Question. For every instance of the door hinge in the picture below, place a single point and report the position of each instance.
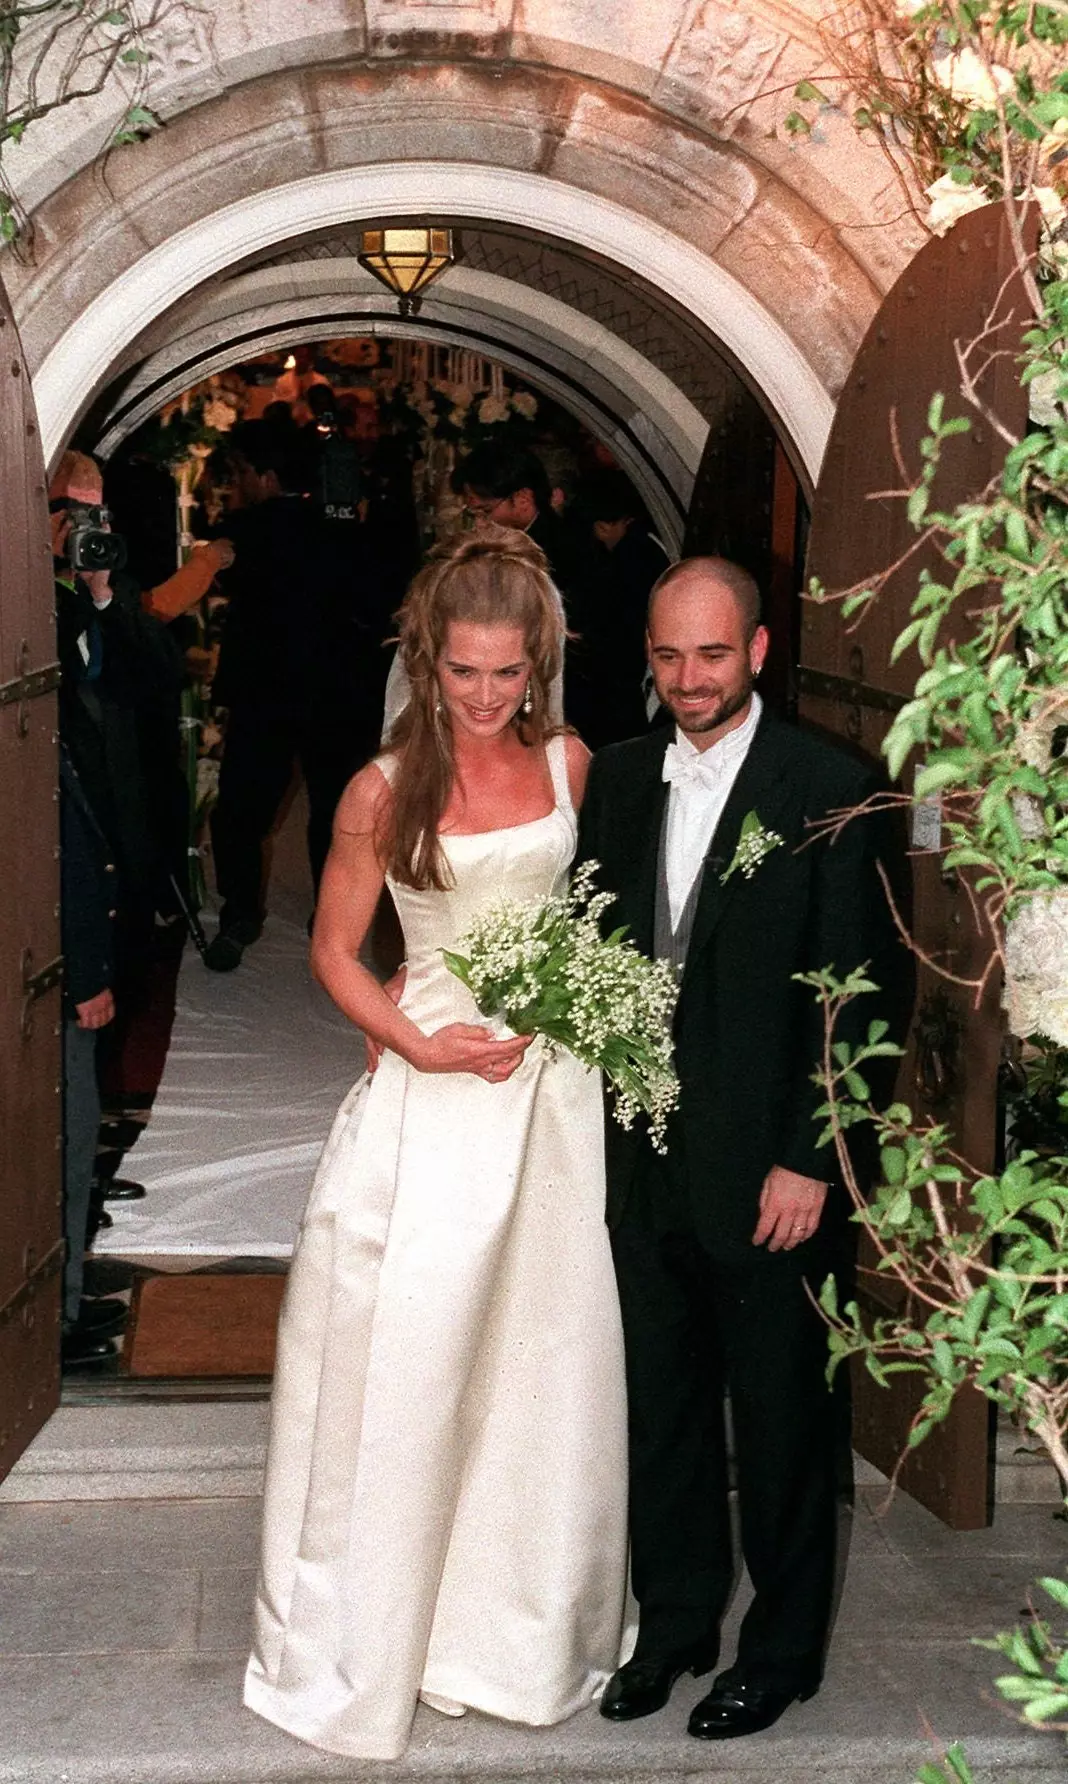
(22, 1303)
(37, 984)
(846, 692)
(29, 684)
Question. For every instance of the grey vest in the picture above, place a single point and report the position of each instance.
(672, 944)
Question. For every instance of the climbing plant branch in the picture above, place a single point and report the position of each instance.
(54, 52)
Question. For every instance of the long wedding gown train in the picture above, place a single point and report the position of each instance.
(446, 1484)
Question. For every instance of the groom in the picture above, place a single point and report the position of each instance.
(714, 1243)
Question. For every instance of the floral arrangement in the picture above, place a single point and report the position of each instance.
(459, 416)
(547, 970)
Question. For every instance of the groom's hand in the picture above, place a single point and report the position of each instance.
(790, 1209)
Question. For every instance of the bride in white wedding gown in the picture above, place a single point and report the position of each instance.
(445, 1509)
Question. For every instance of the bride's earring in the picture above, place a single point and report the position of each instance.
(528, 702)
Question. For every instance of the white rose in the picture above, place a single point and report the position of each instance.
(950, 202)
(1042, 402)
(1036, 968)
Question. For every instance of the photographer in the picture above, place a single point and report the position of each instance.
(117, 669)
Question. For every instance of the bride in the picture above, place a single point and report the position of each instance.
(445, 1511)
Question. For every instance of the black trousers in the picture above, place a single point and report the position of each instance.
(699, 1326)
(263, 746)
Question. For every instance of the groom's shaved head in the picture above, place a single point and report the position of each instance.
(713, 572)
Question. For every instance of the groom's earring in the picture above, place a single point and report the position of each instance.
(528, 702)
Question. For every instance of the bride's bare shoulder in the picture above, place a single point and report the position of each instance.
(367, 798)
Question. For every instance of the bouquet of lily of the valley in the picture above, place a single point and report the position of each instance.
(547, 970)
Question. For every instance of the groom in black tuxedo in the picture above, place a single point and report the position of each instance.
(714, 1243)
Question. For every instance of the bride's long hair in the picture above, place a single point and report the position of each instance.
(489, 578)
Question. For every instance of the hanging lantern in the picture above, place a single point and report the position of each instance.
(407, 260)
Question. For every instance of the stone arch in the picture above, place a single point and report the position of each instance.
(646, 183)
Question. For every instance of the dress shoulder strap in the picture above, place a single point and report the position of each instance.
(387, 765)
(556, 756)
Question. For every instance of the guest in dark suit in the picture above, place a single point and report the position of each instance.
(88, 920)
(507, 486)
(626, 562)
(295, 674)
(717, 1244)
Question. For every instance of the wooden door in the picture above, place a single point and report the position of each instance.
(848, 686)
(31, 1243)
(747, 505)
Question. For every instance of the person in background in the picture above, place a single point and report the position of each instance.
(87, 916)
(627, 561)
(292, 676)
(508, 486)
(117, 670)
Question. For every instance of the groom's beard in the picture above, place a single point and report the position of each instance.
(725, 707)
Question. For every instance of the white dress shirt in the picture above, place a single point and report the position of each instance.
(700, 781)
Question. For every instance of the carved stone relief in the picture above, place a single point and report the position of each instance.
(726, 56)
(183, 55)
(403, 26)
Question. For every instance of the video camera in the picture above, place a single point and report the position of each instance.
(90, 545)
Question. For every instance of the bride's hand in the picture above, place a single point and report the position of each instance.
(463, 1048)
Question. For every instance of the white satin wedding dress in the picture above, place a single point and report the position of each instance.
(446, 1484)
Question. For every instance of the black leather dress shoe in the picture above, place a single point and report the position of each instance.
(121, 1189)
(736, 1706)
(642, 1687)
(79, 1349)
(224, 951)
(99, 1318)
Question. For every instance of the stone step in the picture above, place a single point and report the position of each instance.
(157, 1449)
(125, 1626)
(180, 1449)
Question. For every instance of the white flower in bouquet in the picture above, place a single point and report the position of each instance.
(492, 409)
(1036, 967)
(548, 971)
(525, 404)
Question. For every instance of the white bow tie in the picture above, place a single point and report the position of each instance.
(689, 768)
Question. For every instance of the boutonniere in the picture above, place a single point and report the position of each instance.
(754, 843)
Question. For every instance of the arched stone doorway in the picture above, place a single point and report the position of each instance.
(639, 141)
(646, 143)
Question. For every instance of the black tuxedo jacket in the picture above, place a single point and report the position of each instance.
(747, 1037)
